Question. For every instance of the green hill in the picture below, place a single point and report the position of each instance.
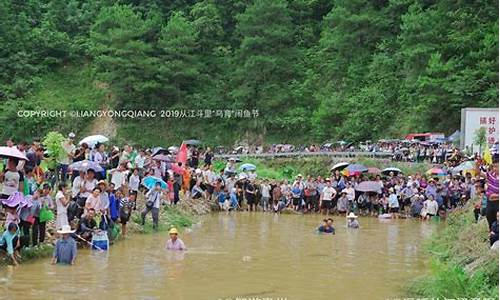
(314, 70)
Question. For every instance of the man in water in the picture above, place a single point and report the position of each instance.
(327, 227)
(175, 243)
(351, 221)
(65, 249)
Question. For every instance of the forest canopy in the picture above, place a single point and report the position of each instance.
(314, 69)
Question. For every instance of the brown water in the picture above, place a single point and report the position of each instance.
(241, 255)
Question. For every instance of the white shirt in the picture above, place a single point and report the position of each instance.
(61, 209)
(265, 190)
(350, 193)
(75, 189)
(139, 161)
(88, 186)
(69, 148)
(118, 179)
(133, 182)
(328, 193)
(431, 207)
(209, 176)
(11, 183)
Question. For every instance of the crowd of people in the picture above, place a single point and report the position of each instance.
(96, 190)
(399, 150)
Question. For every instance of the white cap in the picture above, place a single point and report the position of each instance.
(71, 135)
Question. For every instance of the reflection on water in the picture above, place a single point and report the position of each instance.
(239, 255)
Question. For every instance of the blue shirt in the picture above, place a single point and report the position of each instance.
(222, 197)
(113, 207)
(326, 229)
(7, 238)
(65, 250)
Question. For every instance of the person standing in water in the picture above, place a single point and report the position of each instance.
(65, 249)
(175, 243)
(352, 221)
(327, 227)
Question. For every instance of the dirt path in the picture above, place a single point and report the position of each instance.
(105, 125)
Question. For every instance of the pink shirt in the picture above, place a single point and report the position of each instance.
(177, 245)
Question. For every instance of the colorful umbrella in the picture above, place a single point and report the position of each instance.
(92, 140)
(14, 200)
(354, 169)
(436, 171)
(339, 166)
(150, 182)
(247, 167)
(391, 169)
(12, 152)
(369, 186)
(86, 165)
(465, 166)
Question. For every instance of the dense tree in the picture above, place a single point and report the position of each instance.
(122, 56)
(178, 63)
(315, 69)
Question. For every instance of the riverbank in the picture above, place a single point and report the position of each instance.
(462, 265)
(170, 216)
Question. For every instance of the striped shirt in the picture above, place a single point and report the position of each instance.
(492, 184)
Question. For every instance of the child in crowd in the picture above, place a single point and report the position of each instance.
(126, 206)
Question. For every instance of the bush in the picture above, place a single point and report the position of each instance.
(462, 264)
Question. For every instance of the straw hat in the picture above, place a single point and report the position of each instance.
(352, 216)
(102, 182)
(173, 231)
(65, 229)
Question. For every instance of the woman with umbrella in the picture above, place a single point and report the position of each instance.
(100, 157)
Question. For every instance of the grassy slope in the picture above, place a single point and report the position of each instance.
(70, 88)
(462, 265)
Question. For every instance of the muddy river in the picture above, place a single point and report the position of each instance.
(241, 256)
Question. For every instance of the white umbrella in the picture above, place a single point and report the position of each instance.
(340, 166)
(391, 169)
(94, 139)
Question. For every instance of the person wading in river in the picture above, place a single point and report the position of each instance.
(175, 243)
(65, 249)
(327, 227)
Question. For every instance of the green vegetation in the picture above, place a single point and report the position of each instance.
(480, 138)
(42, 251)
(169, 217)
(28, 254)
(462, 264)
(314, 70)
(70, 88)
(53, 142)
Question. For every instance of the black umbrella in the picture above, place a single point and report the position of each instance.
(160, 150)
(192, 142)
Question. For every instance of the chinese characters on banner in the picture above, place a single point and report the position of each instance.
(475, 118)
(491, 130)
